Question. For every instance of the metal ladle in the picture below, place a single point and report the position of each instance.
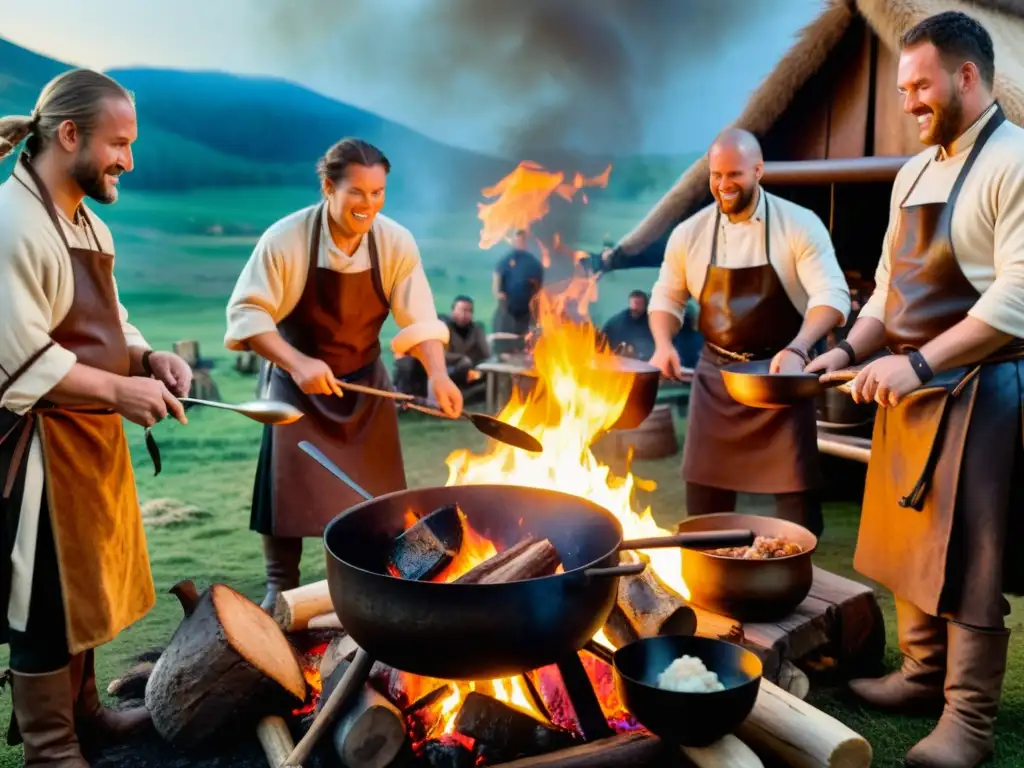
(263, 411)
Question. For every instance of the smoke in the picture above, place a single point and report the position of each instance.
(556, 74)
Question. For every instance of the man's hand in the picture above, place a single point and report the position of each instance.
(886, 381)
(172, 371)
(315, 377)
(666, 360)
(145, 401)
(447, 395)
(786, 361)
(833, 360)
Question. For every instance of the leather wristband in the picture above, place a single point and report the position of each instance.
(921, 368)
(145, 362)
(848, 349)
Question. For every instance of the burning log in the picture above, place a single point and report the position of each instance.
(625, 750)
(647, 607)
(370, 731)
(226, 660)
(275, 738)
(426, 548)
(445, 754)
(295, 607)
(526, 560)
(801, 735)
(502, 732)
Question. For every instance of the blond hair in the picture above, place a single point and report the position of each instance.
(76, 95)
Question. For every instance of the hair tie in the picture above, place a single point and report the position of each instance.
(34, 121)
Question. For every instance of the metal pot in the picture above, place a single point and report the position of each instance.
(642, 394)
(751, 384)
(748, 590)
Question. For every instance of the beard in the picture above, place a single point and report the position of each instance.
(91, 179)
(946, 122)
(740, 203)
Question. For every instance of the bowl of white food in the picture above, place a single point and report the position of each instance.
(687, 690)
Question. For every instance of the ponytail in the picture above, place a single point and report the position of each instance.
(13, 131)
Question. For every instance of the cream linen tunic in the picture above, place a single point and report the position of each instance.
(801, 254)
(36, 293)
(271, 283)
(987, 224)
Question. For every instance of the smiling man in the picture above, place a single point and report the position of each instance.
(74, 570)
(945, 485)
(311, 301)
(765, 274)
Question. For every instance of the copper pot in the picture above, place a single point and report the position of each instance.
(748, 590)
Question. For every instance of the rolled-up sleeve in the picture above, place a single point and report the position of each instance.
(818, 268)
(1002, 304)
(670, 292)
(412, 301)
(266, 290)
(27, 298)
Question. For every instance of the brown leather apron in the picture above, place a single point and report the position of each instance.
(337, 320)
(745, 314)
(89, 488)
(942, 470)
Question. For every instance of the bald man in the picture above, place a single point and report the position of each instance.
(769, 287)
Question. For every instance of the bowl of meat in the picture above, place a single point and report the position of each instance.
(765, 581)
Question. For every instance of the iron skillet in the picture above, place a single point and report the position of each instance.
(483, 631)
(751, 384)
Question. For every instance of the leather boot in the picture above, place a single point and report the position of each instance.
(965, 734)
(916, 687)
(282, 557)
(94, 721)
(44, 709)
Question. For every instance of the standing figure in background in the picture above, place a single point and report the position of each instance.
(769, 286)
(312, 301)
(517, 279)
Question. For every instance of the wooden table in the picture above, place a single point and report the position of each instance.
(844, 446)
(493, 370)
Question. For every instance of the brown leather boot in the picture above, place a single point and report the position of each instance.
(965, 734)
(93, 720)
(44, 709)
(283, 557)
(916, 687)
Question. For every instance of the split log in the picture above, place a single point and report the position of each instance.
(801, 735)
(425, 548)
(502, 732)
(492, 564)
(132, 684)
(340, 649)
(293, 608)
(370, 731)
(226, 661)
(623, 751)
(275, 738)
(539, 558)
(727, 752)
(647, 607)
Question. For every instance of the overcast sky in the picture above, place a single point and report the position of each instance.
(662, 75)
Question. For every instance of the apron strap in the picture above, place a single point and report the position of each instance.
(43, 195)
(378, 283)
(713, 261)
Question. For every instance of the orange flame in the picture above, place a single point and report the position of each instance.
(523, 197)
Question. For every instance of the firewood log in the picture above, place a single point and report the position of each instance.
(502, 732)
(295, 607)
(426, 547)
(492, 564)
(227, 661)
(801, 735)
(370, 731)
(727, 752)
(275, 738)
(538, 558)
(647, 607)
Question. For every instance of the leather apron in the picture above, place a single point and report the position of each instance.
(745, 314)
(88, 488)
(337, 320)
(945, 468)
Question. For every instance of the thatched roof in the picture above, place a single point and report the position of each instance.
(1004, 20)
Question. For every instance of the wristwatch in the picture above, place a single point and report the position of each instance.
(848, 349)
(921, 368)
(145, 362)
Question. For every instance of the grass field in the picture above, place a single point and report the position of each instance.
(175, 274)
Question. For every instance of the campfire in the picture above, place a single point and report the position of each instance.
(336, 704)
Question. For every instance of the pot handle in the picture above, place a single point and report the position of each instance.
(694, 540)
(631, 569)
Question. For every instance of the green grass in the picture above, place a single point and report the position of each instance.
(175, 275)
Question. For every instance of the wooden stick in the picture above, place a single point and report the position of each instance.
(275, 738)
(801, 735)
(727, 752)
(349, 686)
(295, 607)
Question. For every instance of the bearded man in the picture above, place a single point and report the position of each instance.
(945, 484)
(765, 274)
(74, 570)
